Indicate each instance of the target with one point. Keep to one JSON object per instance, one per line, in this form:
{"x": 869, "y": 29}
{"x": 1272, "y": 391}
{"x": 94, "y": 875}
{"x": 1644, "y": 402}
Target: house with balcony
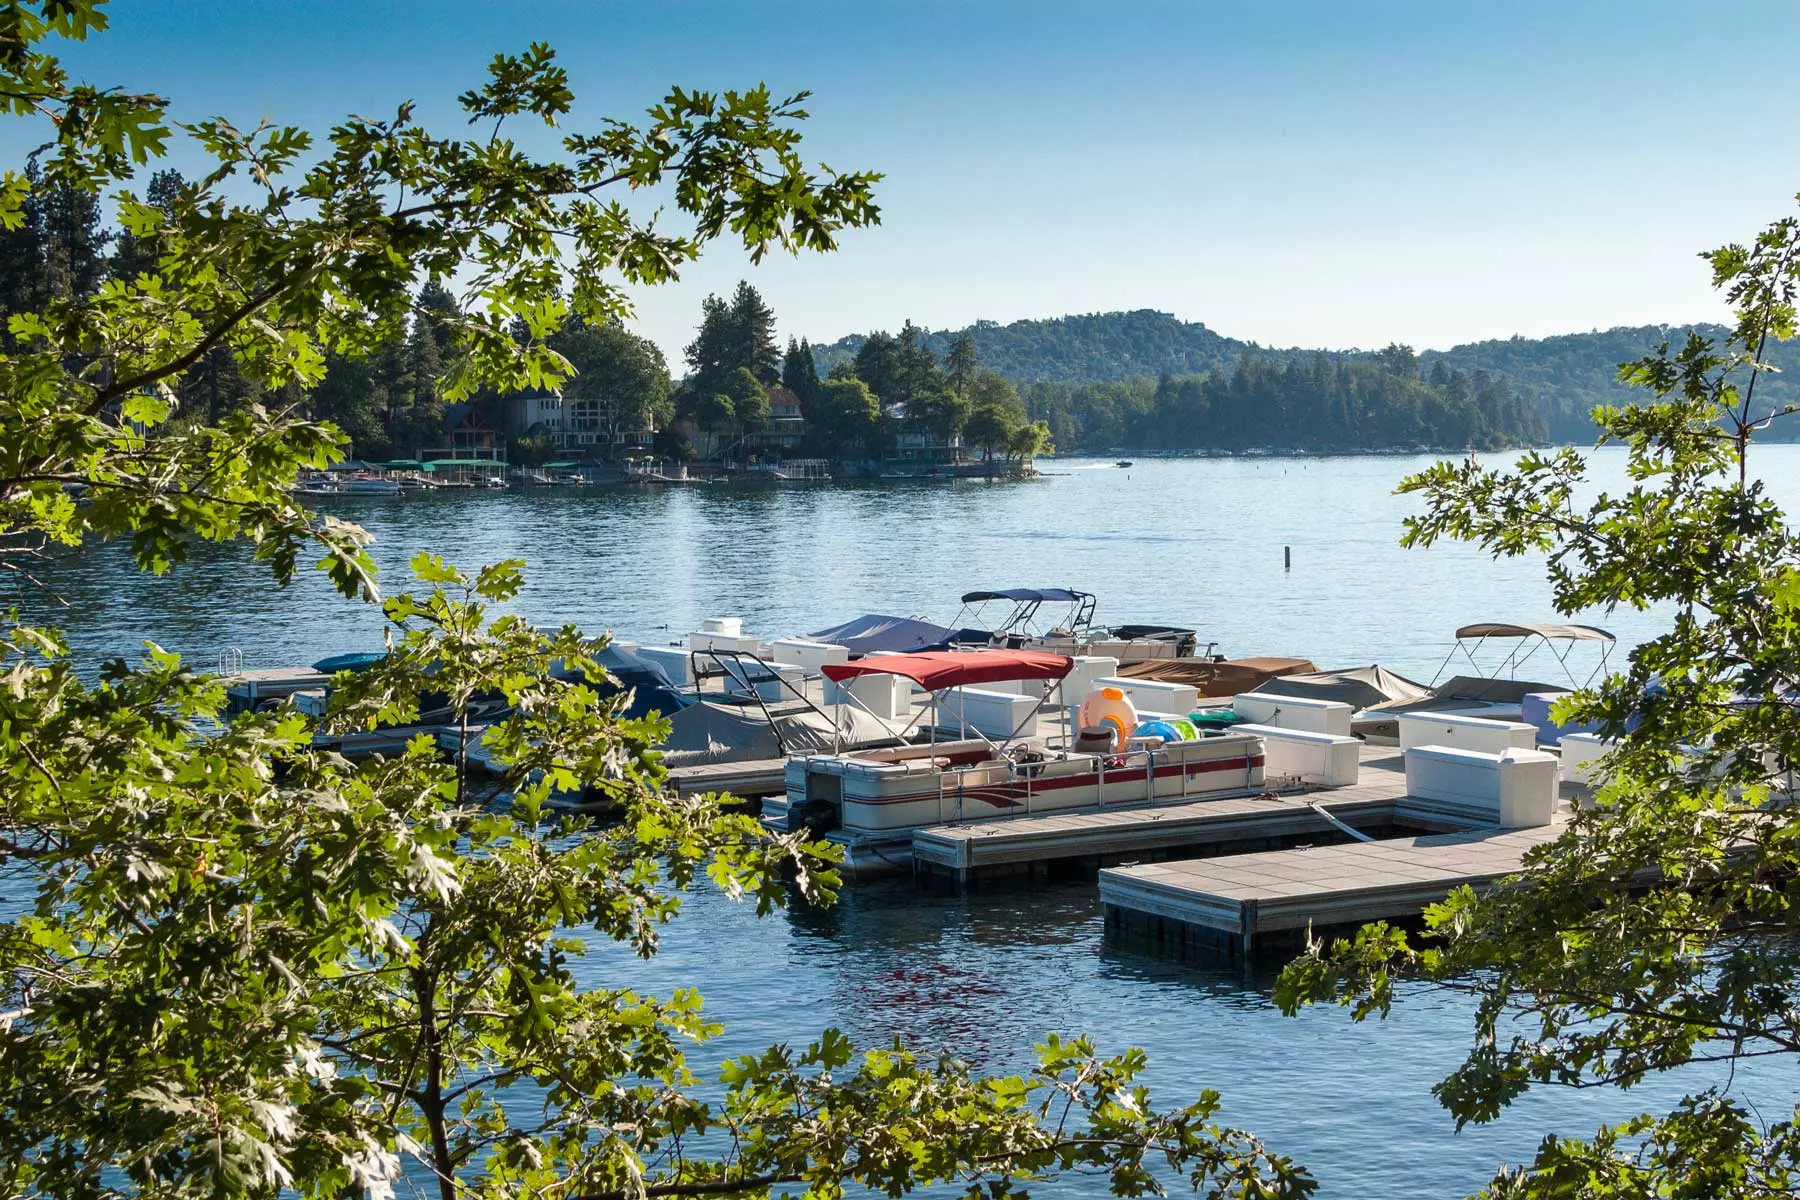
{"x": 581, "y": 427}
{"x": 913, "y": 444}
{"x": 785, "y": 430}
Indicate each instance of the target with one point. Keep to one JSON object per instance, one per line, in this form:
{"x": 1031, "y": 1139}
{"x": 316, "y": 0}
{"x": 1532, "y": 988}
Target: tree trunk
{"x": 431, "y": 1103}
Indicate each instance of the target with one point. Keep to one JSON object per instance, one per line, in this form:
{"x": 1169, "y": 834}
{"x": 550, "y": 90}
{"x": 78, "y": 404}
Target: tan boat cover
{"x": 1216, "y": 678}
{"x": 1372, "y": 686}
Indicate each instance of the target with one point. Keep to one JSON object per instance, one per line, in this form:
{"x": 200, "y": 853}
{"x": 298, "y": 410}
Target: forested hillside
{"x": 1060, "y": 364}
{"x": 1089, "y": 347}
{"x": 1367, "y": 402}
{"x": 1568, "y": 375}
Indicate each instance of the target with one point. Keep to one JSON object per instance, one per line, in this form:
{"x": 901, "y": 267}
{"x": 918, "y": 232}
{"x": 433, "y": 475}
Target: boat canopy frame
{"x": 1025, "y": 603}
{"x": 940, "y": 671}
{"x": 750, "y": 669}
{"x": 1530, "y": 639}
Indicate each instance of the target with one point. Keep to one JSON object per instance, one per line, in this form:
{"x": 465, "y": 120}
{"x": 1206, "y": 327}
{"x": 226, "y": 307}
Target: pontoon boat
{"x": 1070, "y": 627}
{"x": 889, "y": 792}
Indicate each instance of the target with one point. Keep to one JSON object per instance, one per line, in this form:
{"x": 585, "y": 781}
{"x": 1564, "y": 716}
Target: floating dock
{"x": 249, "y": 690}
{"x": 749, "y": 779}
{"x": 1239, "y": 822}
{"x": 1248, "y": 902}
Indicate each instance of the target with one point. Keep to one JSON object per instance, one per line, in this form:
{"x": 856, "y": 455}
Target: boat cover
{"x": 652, "y": 689}
{"x": 936, "y": 669}
{"x": 1023, "y": 595}
{"x": 357, "y": 661}
{"x": 1360, "y": 687}
{"x": 1480, "y": 687}
{"x": 1215, "y": 678}
{"x": 872, "y": 631}
{"x": 1560, "y": 633}
{"x": 710, "y": 732}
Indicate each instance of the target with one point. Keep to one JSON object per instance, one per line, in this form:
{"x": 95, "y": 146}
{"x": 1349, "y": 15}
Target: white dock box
{"x": 1327, "y": 759}
{"x": 887, "y": 696}
{"x": 789, "y": 682}
{"x": 672, "y": 659}
{"x": 1085, "y": 676}
{"x": 1294, "y": 712}
{"x": 993, "y": 714}
{"x": 1517, "y": 788}
{"x": 1153, "y": 694}
{"x": 722, "y": 641}
{"x": 1465, "y": 733}
{"x": 1580, "y": 753}
{"x": 808, "y": 655}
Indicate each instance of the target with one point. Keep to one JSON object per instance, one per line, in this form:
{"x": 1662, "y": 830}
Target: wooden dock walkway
{"x": 1258, "y": 821}
{"x": 965, "y": 850}
{"x": 1247, "y": 901}
{"x": 750, "y": 779}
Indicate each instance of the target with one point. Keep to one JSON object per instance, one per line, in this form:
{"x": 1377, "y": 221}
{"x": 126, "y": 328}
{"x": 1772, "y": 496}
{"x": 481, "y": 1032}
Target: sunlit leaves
{"x": 1658, "y": 930}
{"x": 254, "y": 967}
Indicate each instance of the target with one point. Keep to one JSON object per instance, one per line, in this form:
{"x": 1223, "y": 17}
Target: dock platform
{"x": 749, "y": 779}
{"x": 1222, "y": 823}
{"x": 1250, "y": 901}
{"x": 249, "y": 690}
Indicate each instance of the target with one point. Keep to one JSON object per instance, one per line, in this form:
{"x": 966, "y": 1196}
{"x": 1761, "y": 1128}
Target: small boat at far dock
{"x": 1124, "y": 462}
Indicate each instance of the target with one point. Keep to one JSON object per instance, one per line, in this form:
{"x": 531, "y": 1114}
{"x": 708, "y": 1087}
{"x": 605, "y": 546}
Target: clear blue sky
{"x": 1299, "y": 174}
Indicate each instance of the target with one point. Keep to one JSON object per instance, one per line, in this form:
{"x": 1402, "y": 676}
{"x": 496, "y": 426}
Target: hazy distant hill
{"x": 1566, "y": 375}
{"x": 1082, "y": 349}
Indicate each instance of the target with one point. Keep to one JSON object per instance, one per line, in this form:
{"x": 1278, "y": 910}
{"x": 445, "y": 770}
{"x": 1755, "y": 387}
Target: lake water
{"x": 1196, "y": 542}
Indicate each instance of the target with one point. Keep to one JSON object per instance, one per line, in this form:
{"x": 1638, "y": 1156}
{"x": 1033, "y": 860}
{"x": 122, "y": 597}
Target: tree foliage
{"x": 1373, "y": 402}
{"x": 251, "y": 967}
{"x": 1659, "y": 930}
{"x": 798, "y": 373}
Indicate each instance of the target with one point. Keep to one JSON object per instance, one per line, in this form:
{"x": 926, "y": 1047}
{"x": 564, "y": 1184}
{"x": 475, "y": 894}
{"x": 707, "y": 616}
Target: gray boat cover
{"x": 709, "y": 732}
{"x": 1479, "y": 687}
{"x": 1372, "y": 686}
{"x": 872, "y": 631}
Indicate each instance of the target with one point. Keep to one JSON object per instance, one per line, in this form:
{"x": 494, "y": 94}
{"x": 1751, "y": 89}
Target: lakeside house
{"x": 916, "y": 446}
{"x": 785, "y": 429}
{"x": 581, "y": 427}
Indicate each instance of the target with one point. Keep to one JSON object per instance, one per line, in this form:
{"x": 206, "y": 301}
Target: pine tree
{"x": 753, "y": 342}
{"x": 423, "y": 365}
{"x": 710, "y": 356}
{"x": 74, "y": 262}
{"x": 799, "y": 374}
{"x": 434, "y": 302}
{"x": 961, "y": 364}
{"x": 22, "y": 258}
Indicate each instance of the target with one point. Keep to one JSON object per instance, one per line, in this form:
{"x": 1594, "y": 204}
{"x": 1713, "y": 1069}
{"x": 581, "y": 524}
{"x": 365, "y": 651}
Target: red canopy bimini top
{"x": 935, "y": 669}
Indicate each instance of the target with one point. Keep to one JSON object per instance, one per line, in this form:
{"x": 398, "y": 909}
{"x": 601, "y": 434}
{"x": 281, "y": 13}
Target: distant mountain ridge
{"x": 1082, "y": 348}
{"x": 1565, "y": 375}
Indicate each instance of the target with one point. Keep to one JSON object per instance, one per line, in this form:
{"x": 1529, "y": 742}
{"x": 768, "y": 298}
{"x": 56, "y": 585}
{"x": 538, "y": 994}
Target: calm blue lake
{"x": 1199, "y": 542}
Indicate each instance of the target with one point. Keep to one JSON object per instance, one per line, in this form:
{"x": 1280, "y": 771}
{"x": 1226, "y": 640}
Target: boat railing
{"x": 751, "y": 670}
